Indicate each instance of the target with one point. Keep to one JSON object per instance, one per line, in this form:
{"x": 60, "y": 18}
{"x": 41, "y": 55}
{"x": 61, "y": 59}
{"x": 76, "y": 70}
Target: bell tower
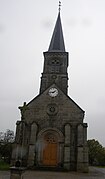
{"x": 55, "y": 61}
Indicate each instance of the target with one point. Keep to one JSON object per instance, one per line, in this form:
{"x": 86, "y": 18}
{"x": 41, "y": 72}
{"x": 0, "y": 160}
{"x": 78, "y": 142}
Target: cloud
{"x": 82, "y": 21}
{"x": 72, "y": 22}
{"x": 47, "y": 24}
{"x": 2, "y": 28}
{"x": 86, "y": 22}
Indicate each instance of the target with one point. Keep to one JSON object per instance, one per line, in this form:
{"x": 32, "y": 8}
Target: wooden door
{"x": 50, "y": 151}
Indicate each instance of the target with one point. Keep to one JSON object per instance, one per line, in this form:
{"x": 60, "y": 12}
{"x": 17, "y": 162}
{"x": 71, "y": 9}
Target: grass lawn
{"x": 100, "y": 166}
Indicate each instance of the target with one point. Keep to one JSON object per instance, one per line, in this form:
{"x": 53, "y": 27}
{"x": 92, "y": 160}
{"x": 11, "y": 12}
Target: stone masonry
{"x": 51, "y": 133}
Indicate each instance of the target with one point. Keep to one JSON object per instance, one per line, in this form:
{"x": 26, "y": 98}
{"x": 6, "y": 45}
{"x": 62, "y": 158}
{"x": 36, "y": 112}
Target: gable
{"x": 60, "y": 106}
{"x": 60, "y": 99}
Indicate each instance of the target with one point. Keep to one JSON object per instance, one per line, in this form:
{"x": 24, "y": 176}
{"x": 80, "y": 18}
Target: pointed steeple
{"x": 57, "y": 41}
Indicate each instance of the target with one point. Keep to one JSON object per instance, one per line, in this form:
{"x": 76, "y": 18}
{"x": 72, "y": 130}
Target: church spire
{"x": 55, "y": 61}
{"x": 57, "y": 41}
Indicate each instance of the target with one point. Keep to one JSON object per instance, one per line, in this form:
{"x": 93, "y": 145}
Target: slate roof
{"x": 57, "y": 41}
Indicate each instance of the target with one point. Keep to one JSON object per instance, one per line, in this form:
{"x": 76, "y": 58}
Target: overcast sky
{"x": 26, "y": 28}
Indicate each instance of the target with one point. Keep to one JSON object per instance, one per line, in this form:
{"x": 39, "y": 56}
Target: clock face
{"x": 53, "y": 92}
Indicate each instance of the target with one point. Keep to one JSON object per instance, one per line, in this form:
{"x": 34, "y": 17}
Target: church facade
{"x": 51, "y": 132}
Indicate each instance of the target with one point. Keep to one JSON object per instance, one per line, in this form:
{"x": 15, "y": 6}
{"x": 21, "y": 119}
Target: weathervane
{"x": 59, "y": 6}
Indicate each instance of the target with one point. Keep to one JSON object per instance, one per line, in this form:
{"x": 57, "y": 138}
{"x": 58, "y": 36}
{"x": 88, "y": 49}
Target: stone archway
{"x": 50, "y": 147}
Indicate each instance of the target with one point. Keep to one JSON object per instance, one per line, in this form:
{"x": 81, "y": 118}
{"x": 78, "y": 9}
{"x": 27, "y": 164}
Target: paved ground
{"x": 94, "y": 173}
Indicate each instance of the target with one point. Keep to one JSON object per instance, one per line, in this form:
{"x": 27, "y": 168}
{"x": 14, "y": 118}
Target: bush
{"x": 5, "y": 152}
{"x": 4, "y": 165}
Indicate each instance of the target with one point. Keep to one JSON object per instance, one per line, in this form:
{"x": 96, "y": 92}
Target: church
{"x": 51, "y": 133}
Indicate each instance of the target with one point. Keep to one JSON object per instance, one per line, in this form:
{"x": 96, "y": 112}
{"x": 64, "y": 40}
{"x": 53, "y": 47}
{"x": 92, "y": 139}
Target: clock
{"x": 53, "y": 92}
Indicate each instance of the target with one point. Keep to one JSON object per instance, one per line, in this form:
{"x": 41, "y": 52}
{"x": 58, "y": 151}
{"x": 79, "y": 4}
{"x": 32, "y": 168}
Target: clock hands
{"x": 53, "y": 91}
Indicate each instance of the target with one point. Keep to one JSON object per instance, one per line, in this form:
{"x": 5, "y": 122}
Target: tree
{"x": 96, "y": 153}
{"x": 1, "y": 137}
{"x": 5, "y": 152}
{"x": 6, "y": 140}
{"x": 9, "y": 136}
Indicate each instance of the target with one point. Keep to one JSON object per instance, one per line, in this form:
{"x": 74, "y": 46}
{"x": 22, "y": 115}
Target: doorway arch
{"x": 50, "y": 147}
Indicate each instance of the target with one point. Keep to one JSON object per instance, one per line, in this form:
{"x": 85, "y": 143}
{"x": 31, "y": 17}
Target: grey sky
{"x": 26, "y": 28}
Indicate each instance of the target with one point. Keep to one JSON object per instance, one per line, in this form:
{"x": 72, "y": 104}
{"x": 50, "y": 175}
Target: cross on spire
{"x": 59, "y": 6}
